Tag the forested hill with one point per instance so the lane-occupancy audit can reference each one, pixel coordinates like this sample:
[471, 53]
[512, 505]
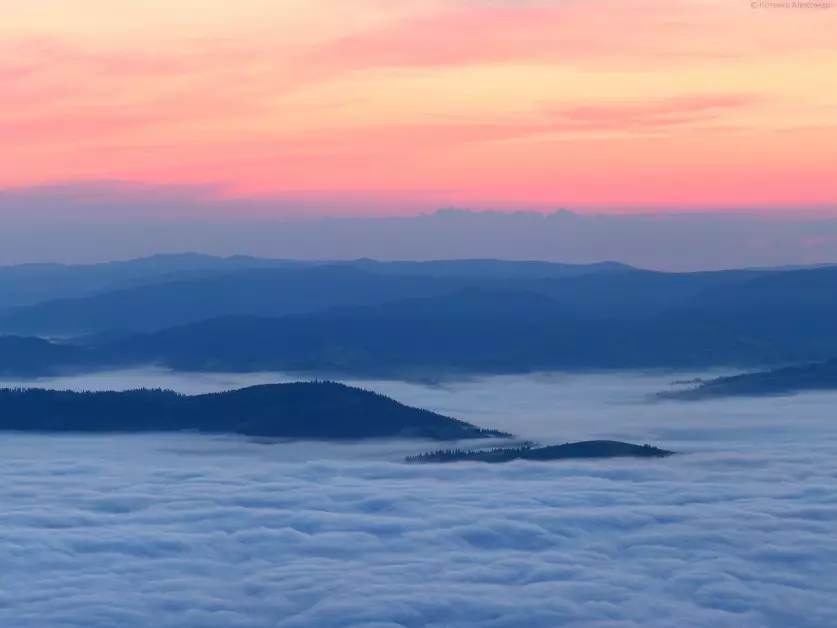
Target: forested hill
[304, 410]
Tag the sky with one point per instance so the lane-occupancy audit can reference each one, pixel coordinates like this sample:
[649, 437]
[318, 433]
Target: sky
[375, 107]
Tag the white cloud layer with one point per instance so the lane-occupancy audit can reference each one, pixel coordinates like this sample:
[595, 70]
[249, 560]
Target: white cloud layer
[200, 532]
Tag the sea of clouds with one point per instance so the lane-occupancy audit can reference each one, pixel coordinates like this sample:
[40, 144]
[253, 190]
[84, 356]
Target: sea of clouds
[195, 531]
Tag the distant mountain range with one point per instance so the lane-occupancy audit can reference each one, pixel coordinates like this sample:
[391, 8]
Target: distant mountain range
[303, 410]
[160, 292]
[28, 284]
[152, 302]
[397, 320]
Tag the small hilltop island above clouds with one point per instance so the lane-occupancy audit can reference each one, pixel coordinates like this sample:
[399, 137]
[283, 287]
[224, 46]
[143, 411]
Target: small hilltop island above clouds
[817, 376]
[590, 449]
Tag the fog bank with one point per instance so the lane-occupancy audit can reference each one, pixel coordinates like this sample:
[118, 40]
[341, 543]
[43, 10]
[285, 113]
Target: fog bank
[205, 532]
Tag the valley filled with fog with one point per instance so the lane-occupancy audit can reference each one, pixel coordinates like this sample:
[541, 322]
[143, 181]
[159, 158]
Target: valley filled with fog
[203, 531]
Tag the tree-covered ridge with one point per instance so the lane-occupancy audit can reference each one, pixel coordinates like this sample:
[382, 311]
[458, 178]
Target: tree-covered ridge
[530, 451]
[780, 381]
[314, 410]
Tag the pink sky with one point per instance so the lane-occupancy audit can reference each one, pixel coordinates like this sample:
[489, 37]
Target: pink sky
[574, 103]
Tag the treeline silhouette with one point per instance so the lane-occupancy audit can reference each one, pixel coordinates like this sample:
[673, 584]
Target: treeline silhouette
[531, 451]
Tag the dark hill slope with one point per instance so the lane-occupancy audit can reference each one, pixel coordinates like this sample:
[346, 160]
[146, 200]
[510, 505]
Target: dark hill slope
[312, 410]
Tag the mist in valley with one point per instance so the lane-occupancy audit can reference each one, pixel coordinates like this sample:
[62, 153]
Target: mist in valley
[736, 531]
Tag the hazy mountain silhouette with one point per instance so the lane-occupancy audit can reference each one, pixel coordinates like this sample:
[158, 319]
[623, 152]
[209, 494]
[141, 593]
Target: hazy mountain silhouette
[312, 410]
[171, 299]
[491, 330]
[480, 330]
[789, 316]
[343, 320]
[500, 269]
[164, 301]
[26, 284]
[264, 292]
